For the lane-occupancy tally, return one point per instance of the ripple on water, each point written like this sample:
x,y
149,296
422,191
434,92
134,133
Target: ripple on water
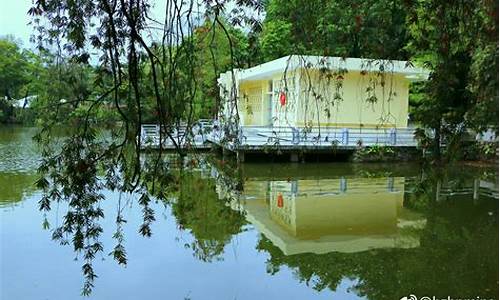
x,y
18,151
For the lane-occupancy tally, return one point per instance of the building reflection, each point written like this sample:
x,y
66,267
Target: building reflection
x,y
332,213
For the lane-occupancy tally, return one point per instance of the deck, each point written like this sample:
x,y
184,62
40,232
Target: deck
x,y
263,138
196,137
257,138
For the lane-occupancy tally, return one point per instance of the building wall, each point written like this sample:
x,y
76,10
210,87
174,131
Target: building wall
x,y
352,108
311,100
259,105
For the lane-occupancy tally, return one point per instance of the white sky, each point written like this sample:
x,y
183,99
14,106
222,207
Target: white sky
x,y
14,18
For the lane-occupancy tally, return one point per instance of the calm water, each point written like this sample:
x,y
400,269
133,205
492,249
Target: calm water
x,y
284,231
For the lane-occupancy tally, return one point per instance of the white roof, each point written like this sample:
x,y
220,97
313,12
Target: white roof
x,y
24,102
293,62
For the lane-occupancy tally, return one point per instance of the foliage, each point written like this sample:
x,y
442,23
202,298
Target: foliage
x,y
371,29
459,42
481,150
276,39
379,153
168,81
218,48
20,74
483,84
13,68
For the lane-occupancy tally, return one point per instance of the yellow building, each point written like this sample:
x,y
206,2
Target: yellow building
x,y
296,94
322,91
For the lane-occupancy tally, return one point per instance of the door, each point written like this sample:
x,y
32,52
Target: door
x,y
253,106
268,105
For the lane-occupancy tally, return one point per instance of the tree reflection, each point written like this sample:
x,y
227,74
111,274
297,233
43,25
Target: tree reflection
x,y
210,220
15,186
455,244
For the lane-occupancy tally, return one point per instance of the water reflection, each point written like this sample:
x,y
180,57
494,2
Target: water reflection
x,y
392,234
302,231
15,187
18,161
197,209
19,153
345,214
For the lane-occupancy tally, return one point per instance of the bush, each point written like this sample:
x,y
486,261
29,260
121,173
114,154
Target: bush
x,y
381,153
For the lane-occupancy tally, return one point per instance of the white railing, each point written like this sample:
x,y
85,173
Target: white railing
x,y
325,136
289,137
195,137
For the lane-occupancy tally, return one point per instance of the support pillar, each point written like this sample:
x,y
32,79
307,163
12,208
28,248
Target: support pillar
x,y
240,156
345,136
475,195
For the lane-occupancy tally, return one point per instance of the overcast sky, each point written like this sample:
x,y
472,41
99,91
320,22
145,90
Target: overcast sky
x,y
14,18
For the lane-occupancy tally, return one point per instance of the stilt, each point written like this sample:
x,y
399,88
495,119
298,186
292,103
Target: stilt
x,y
240,156
475,195
438,191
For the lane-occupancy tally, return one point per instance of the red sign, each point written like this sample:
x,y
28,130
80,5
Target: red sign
x,y
282,98
280,200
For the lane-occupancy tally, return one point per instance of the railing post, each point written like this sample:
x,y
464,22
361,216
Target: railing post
x,y
240,135
345,136
392,136
475,191
295,136
295,187
343,185
390,184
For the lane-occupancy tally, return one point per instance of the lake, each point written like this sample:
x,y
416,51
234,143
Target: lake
x,y
265,231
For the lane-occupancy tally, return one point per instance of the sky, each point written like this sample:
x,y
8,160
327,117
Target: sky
x,y
14,19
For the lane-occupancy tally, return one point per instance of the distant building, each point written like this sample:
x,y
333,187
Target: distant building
x,y
24,102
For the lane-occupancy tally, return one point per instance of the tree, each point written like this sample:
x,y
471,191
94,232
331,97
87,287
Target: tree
x,y
13,68
276,39
135,75
218,48
483,83
22,73
444,35
370,29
